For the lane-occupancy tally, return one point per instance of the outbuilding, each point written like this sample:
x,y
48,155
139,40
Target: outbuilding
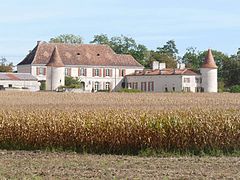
x,y
19,81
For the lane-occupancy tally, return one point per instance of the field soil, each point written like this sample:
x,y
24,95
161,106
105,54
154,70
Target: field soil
x,y
47,165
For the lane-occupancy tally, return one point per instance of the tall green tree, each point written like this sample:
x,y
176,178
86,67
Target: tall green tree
x,y
67,38
231,70
169,49
191,58
166,54
123,45
101,39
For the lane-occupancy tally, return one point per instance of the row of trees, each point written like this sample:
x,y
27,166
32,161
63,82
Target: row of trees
x,y
228,66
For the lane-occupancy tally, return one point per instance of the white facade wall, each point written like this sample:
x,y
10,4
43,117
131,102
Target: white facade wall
x,y
209,79
115,80
163,83
40,77
192,84
55,78
20,84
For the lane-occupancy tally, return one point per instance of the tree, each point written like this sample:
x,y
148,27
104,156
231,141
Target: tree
x,y
71,82
231,71
101,39
123,45
169,48
67,38
166,54
5,66
191,58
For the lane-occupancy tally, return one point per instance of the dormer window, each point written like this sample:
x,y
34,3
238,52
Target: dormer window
x,y
98,54
78,54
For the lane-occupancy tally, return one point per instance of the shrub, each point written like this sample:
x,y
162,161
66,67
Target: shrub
x,y
43,85
126,90
235,89
71,82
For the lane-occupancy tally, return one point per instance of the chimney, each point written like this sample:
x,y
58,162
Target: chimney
x,y
180,66
155,65
162,66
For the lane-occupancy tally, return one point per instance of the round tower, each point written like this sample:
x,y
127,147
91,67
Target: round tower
x,y
55,72
209,74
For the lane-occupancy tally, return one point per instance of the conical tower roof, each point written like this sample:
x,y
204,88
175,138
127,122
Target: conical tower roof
x,y
55,60
209,61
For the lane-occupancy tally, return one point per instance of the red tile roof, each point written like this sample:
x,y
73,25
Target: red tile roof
x,y
55,60
167,71
17,76
209,61
79,54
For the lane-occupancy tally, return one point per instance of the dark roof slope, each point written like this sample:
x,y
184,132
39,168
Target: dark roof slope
x,y
29,58
79,54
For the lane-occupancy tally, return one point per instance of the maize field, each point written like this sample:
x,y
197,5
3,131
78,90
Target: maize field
x,y
120,123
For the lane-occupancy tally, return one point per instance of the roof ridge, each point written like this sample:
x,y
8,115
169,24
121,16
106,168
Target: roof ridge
x,y
36,53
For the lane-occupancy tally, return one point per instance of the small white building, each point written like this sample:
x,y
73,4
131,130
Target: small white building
x,y
162,79
97,66
19,81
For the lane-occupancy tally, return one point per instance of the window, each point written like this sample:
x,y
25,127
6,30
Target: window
x,y
97,72
186,89
10,85
143,86
129,85
96,86
108,86
166,89
82,72
186,80
41,71
173,89
122,72
198,89
68,71
198,80
135,85
107,72
150,86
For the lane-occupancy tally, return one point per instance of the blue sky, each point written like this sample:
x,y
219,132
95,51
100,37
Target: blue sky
x,y
203,24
